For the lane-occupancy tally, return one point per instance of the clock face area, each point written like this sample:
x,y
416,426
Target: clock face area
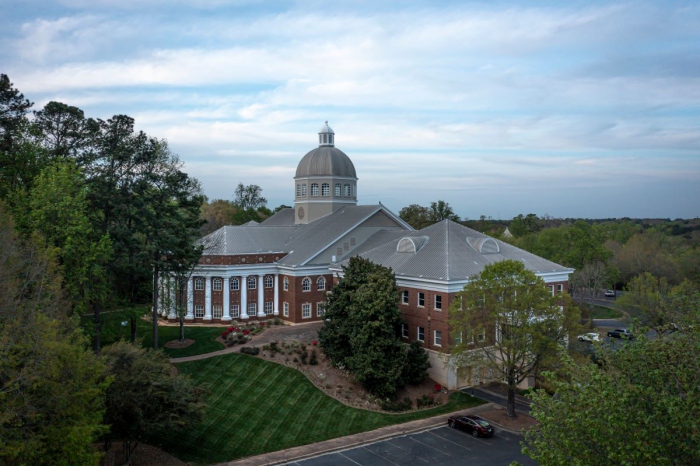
x,y
300,213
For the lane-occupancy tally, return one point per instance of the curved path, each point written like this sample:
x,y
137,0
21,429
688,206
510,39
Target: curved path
x,y
300,332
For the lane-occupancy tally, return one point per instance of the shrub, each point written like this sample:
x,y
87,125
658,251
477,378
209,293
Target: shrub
x,y
313,360
304,355
251,350
277,321
273,347
396,405
425,401
416,369
268,323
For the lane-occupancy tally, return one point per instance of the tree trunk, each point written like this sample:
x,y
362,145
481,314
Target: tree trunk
x,y
133,328
182,329
155,306
510,410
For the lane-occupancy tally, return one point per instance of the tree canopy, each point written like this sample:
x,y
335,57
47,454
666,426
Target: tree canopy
x,y
507,320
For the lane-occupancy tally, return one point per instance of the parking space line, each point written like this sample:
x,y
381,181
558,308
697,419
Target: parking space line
x,y
346,457
450,441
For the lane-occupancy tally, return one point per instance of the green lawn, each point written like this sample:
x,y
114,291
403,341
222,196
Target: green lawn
x,y
255,407
600,312
113,330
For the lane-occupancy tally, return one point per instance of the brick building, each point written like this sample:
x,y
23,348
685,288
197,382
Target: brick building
x,y
284,266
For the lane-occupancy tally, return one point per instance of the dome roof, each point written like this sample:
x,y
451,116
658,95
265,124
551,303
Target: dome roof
x,y
326,161
326,129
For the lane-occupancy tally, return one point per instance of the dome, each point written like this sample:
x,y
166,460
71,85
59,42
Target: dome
x,y
326,129
326,161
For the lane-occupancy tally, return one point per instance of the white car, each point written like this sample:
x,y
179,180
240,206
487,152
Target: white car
x,y
609,293
589,337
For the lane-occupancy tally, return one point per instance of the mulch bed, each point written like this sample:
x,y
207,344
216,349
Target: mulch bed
x,y
177,344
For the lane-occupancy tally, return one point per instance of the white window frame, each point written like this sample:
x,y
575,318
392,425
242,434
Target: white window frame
x,y
198,311
285,284
252,309
199,284
217,284
420,331
438,302
268,281
298,190
269,308
285,309
320,309
437,338
306,284
551,289
252,282
217,311
404,330
303,190
560,288
234,284
347,191
321,284
306,311
314,189
338,189
405,297
325,189
421,299
235,311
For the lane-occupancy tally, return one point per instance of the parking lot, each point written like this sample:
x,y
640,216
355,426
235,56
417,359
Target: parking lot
x,y
439,446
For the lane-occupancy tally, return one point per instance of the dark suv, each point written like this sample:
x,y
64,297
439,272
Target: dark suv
x,y
620,333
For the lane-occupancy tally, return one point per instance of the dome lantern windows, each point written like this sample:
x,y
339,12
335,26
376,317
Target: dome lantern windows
x,y
325,189
314,189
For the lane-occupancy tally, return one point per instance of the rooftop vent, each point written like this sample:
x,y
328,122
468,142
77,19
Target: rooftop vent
x,y
484,245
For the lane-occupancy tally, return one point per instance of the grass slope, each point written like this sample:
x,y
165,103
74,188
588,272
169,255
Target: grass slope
x,y
255,407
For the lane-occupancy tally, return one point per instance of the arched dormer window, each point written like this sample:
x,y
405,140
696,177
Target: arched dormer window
x,y
484,245
306,284
216,284
268,281
252,282
325,189
235,285
321,283
314,189
337,189
411,244
199,283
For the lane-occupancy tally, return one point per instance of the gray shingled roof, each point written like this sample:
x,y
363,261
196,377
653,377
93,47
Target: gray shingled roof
x,y
447,254
284,217
301,242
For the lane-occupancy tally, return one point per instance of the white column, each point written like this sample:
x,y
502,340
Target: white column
x,y
244,297
261,295
227,307
190,299
276,305
172,314
207,298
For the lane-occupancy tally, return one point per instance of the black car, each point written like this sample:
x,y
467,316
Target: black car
x,y
475,425
620,333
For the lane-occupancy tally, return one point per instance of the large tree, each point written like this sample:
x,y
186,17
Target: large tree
x,y
147,396
640,405
64,132
507,320
362,329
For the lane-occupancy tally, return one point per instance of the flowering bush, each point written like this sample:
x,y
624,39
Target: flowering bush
x,y
246,332
315,343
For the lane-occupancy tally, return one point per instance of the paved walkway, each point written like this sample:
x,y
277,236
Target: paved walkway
x,y
280,333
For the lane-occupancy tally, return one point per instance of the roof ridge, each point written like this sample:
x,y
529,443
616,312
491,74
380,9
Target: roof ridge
x,y
447,249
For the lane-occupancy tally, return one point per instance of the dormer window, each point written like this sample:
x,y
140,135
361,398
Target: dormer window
x,y
484,245
411,244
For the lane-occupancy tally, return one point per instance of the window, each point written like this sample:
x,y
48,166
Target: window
x,y
404,331
437,338
560,288
235,311
268,307
252,309
551,289
216,284
421,299
337,189
347,190
235,284
421,334
481,336
320,309
268,281
321,283
199,283
438,302
404,297
325,189
216,311
314,189
252,283
198,311
285,309
305,311
303,190
306,285
285,284
298,190
458,338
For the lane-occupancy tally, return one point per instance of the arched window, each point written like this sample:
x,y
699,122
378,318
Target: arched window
x,y
306,285
235,284
347,190
303,190
268,281
216,284
321,283
199,283
285,283
337,189
298,190
314,189
325,189
251,283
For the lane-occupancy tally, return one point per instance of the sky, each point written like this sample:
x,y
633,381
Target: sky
x,y
585,109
